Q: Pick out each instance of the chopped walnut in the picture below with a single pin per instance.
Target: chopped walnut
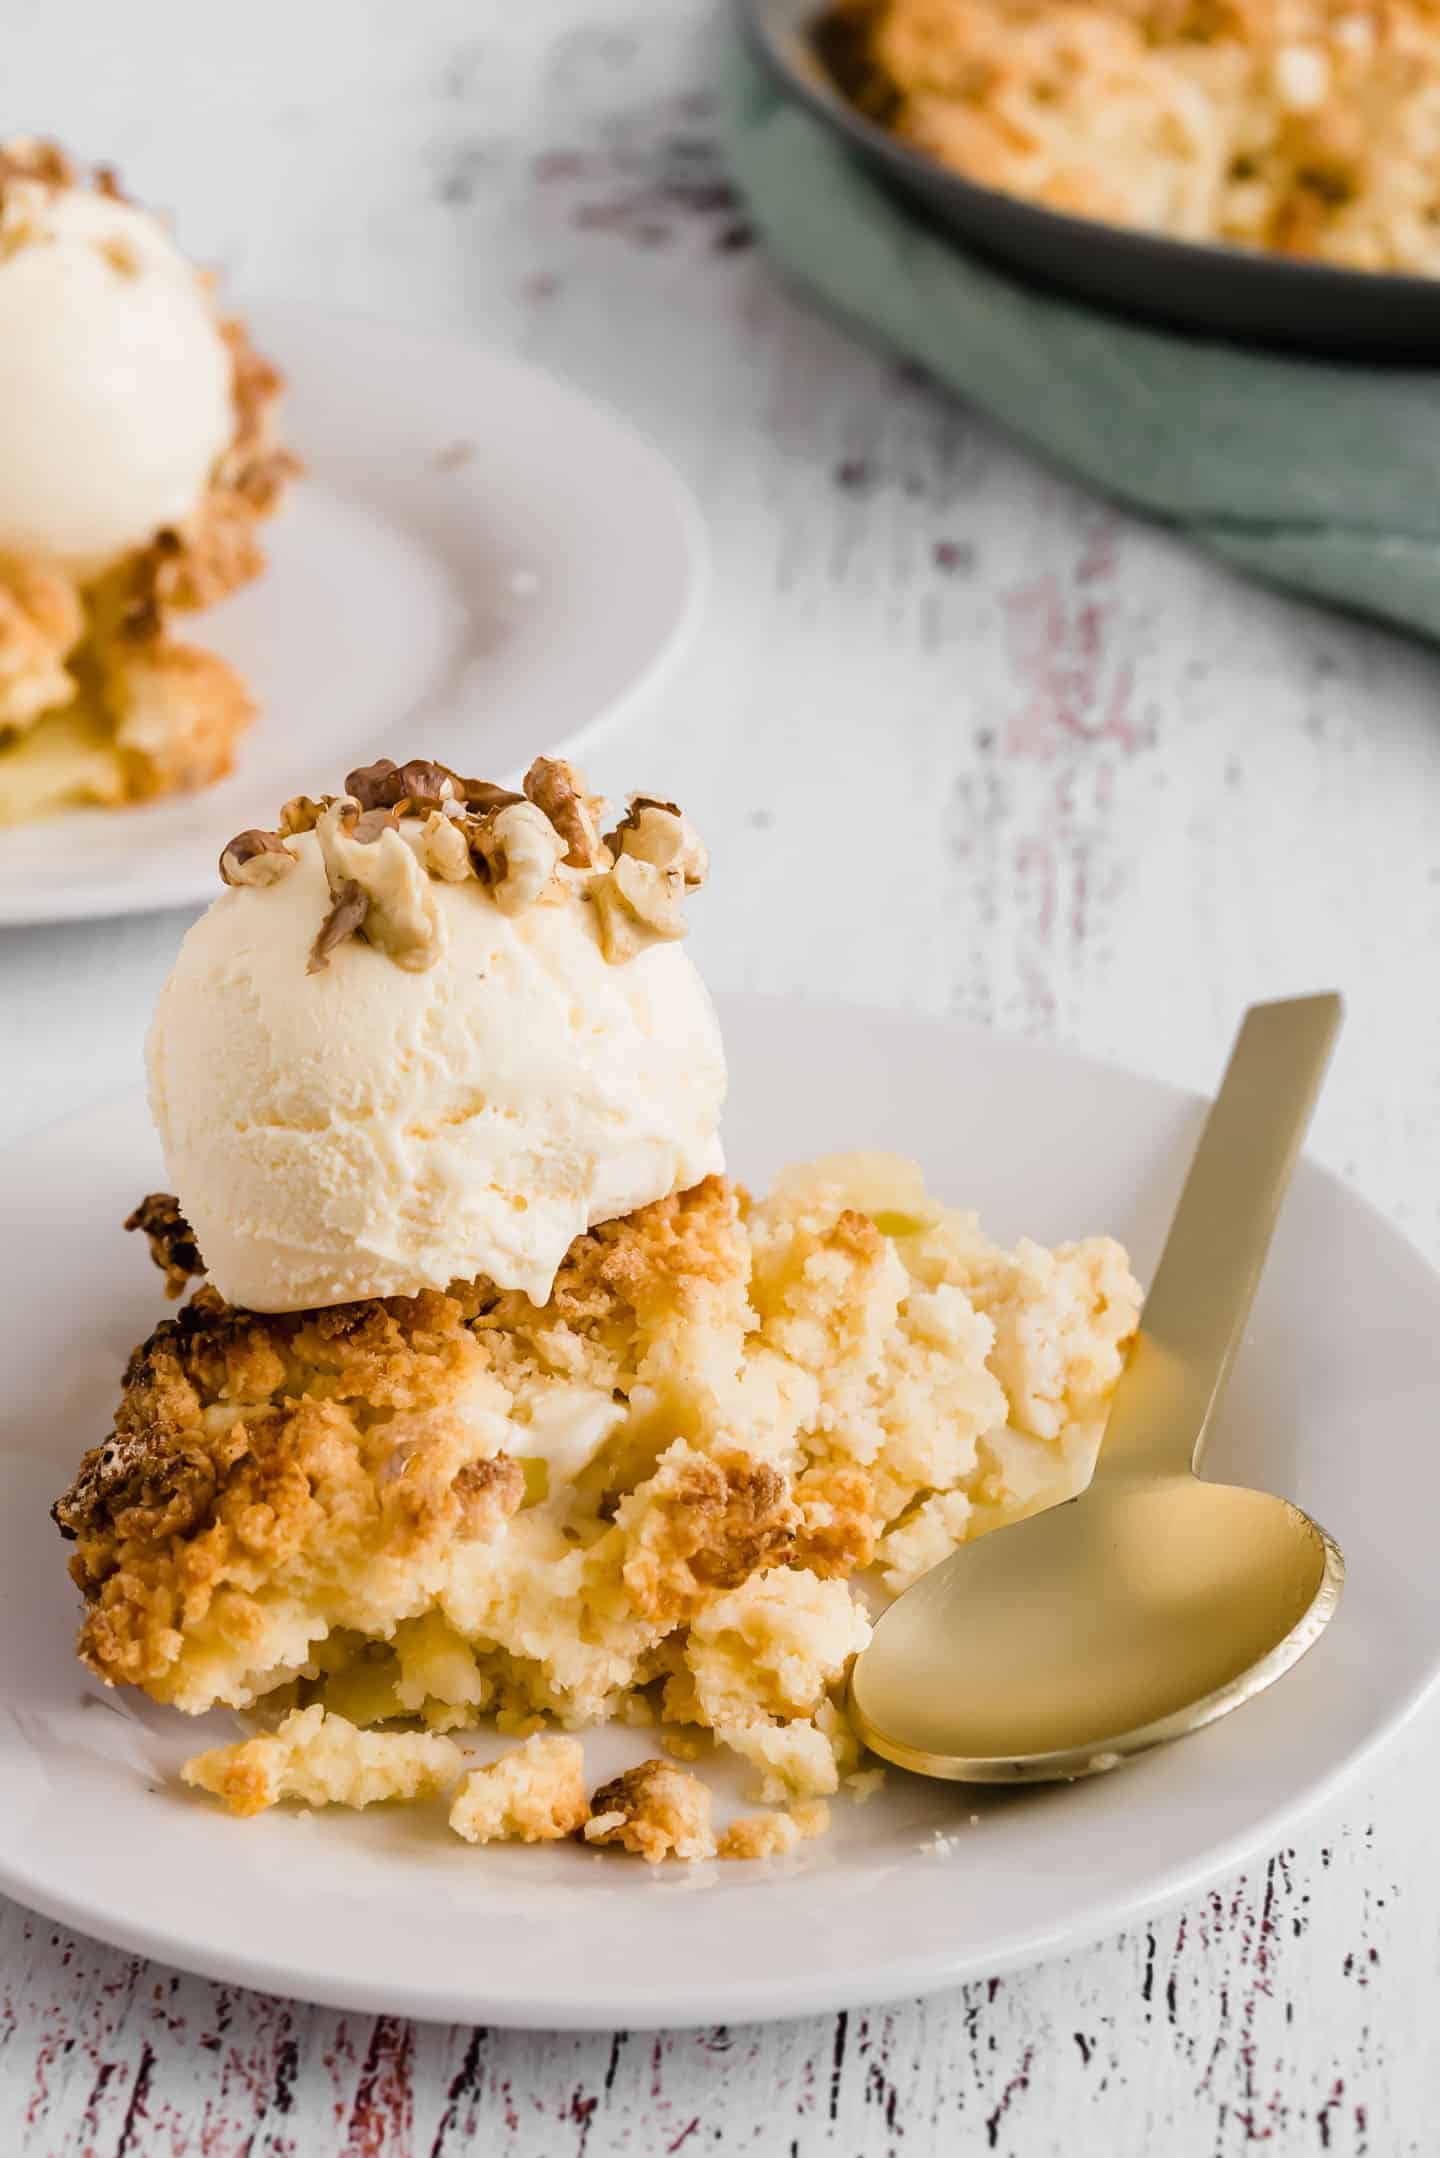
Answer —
(638, 905)
(483, 794)
(556, 788)
(171, 1239)
(255, 858)
(653, 1810)
(345, 919)
(519, 849)
(399, 825)
(364, 848)
(302, 814)
(441, 846)
(421, 782)
(658, 833)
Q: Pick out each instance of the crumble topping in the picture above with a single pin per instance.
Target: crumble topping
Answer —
(1307, 129)
(171, 1240)
(535, 1793)
(655, 1810)
(41, 622)
(322, 1760)
(771, 1835)
(702, 1523)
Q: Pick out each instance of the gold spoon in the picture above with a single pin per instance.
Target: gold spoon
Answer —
(1154, 1602)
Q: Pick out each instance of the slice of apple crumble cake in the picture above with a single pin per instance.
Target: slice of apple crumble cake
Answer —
(666, 1494)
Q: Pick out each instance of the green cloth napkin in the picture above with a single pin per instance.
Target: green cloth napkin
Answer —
(1321, 476)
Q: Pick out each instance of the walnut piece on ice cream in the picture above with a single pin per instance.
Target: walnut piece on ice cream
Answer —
(301, 814)
(520, 850)
(557, 788)
(398, 826)
(658, 858)
(255, 857)
(364, 848)
(441, 846)
(387, 785)
(661, 834)
(638, 905)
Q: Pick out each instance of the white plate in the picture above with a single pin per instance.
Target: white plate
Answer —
(1335, 1403)
(478, 559)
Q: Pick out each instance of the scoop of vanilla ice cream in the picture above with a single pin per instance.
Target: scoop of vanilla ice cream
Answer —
(115, 382)
(370, 1131)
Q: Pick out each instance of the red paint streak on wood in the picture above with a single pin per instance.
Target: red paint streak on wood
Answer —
(1036, 878)
(581, 2110)
(1058, 638)
(382, 2118)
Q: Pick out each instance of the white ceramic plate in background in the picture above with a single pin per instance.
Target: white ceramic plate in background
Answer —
(1334, 1403)
(478, 561)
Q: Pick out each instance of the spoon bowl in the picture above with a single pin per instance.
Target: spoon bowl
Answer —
(1154, 1602)
(1096, 1630)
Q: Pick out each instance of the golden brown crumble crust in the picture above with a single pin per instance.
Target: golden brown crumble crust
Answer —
(707, 1524)
(241, 1437)
(41, 622)
(171, 1240)
(837, 1519)
(240, 1434)
(1306, 129)
(654, 1809)
(620, 1281)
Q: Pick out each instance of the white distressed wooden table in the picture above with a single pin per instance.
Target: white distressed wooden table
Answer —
(1117, 791)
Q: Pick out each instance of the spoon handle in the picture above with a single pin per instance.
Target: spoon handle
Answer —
(1194, 1317)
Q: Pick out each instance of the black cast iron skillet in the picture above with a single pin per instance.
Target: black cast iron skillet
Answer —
(1214, 291)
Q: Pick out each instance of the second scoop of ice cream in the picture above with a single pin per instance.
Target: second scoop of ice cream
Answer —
(115, 382)
(366, 1130)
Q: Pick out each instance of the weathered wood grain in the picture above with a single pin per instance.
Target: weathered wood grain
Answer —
(963, 739)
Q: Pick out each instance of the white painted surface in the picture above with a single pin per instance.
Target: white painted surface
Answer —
(961, 739)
